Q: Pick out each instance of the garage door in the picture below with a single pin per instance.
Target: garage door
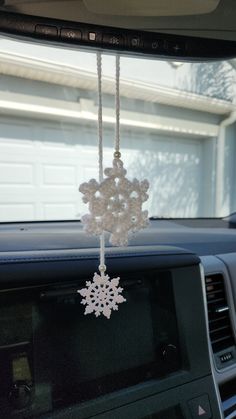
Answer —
(42, 164)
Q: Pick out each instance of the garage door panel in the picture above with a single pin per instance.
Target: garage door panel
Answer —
(59, 175)
(17, 212)
(90, 173)
(41, 169)
(19, 147)
(58, 194)
(59, 211)
(12, 173)
(60, 153)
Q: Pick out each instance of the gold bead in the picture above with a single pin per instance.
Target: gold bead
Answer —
(117, 155)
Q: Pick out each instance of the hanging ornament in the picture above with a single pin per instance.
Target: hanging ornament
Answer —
(102, 295)
(115, 203)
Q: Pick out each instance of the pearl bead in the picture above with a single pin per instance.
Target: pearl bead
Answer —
(102, 268)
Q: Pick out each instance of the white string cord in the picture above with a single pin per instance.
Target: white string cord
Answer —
(117, 106)
(102, 266)
(100, 133)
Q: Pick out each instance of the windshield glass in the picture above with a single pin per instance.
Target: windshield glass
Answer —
(177, 130)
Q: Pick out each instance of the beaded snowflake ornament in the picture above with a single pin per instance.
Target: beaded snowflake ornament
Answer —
(115, 206)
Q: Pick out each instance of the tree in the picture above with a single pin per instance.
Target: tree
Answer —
(213, 79)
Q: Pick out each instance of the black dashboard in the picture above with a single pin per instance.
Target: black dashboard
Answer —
(160, 356)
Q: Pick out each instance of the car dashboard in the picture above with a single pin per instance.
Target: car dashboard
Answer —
(168, 352)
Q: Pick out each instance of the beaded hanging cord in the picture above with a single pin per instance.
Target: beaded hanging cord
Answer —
(115, 206)
(117, 153)
(102, 266)
(102, 295)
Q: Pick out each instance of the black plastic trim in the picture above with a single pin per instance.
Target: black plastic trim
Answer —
(132, 42)
(22, 268)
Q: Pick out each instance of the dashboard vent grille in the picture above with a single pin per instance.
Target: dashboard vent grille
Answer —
(221, 334)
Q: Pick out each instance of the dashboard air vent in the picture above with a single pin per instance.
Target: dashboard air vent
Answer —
(221, 335)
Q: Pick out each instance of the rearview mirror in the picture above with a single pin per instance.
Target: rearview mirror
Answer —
(45, 25)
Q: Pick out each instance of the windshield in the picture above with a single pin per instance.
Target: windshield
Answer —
(177, 130)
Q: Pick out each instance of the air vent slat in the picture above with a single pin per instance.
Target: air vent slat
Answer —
(218, 319)
(218, 329)
(221, 335)
(213, 284)
(226, 337)
(217, 301)
(214, 292)
(215, 324)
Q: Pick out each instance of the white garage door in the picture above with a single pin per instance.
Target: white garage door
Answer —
(42, 164)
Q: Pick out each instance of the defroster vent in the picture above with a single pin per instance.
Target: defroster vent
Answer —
(221, 334)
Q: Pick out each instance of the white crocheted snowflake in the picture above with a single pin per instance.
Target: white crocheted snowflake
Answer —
(115, 204)
(102, 295)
